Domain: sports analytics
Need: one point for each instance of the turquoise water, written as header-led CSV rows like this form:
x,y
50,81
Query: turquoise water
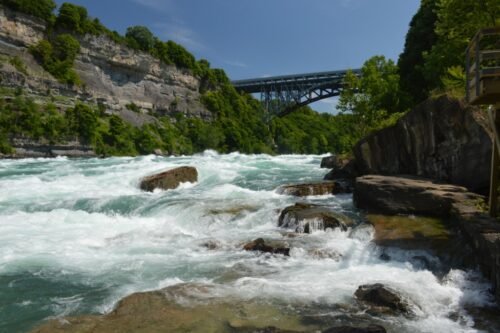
x,y
78,235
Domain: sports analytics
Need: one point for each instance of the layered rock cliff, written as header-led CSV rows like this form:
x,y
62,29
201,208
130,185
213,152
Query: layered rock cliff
x,y
113,75
442,139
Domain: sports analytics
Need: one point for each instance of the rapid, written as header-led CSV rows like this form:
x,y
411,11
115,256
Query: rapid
x,y
76,236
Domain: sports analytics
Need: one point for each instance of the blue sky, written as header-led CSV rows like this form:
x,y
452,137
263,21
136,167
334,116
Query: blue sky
x,y
269,37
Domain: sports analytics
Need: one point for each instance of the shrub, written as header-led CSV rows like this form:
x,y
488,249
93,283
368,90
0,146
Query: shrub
x,y
139,37
39,8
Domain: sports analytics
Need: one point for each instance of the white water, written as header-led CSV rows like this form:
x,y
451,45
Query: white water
x,y
83,235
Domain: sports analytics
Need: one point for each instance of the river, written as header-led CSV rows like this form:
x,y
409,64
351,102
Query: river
x,y
78,235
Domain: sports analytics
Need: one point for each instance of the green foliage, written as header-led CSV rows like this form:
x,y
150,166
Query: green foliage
x,y
133,107
82,121
40,8
58,57
72,18
372,97
419,40
457,22
140,38
19,65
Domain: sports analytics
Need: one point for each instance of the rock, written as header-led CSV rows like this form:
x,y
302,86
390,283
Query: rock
x,y
319,188
408,195
412,233
181,308
324,254
260,245
442,138
212,245
383,300
306,218
351,329
345,171
170,179
329,162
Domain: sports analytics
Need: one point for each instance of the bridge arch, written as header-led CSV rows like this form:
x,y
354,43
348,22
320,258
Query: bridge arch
x,y
282,95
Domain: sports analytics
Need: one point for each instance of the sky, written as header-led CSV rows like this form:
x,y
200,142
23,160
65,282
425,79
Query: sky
x,y
260,38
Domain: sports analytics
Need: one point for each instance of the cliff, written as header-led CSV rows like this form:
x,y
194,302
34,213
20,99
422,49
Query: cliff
x,y
442,139
113,75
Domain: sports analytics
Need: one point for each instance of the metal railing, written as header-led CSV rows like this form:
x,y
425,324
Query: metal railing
x,y
483,67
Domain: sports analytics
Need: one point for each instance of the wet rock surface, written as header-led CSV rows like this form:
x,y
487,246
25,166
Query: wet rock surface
x,y
382,300
351,329
260,245
408,195
305,218
318,188
170,179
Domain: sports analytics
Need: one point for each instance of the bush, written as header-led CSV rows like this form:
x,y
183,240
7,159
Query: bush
x,y
58,57
72,17
139,37
39,8
19,65
83,121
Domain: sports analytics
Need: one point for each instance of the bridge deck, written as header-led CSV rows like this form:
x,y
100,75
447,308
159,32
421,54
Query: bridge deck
x,y
256,85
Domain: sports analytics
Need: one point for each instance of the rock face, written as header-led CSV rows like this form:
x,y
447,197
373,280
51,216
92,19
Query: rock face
x,y
35,149
383,300
170,179
319,188
408,195
440,139
113,75
306,218
347,171
260,245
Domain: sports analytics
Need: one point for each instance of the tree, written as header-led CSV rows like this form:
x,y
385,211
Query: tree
x,y
420,39
72,18
39,8
373,96
457,22
83,121
141,38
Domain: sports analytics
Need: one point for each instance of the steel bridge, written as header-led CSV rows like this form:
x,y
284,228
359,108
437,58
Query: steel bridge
x,y
282,95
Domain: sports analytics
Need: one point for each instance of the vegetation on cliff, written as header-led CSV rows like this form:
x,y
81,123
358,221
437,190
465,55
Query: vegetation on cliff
x,y
432,61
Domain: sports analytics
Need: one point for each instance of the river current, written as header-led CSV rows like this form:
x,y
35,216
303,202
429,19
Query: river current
x,y
76,236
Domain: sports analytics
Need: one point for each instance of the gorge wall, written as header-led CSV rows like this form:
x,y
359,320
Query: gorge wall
x,y
113,75
442,139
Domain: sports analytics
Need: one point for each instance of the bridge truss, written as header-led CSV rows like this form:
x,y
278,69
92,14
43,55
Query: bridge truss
x,y
282,95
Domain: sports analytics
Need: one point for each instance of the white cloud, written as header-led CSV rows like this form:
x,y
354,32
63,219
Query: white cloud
x,y
236,64
161,5
178,32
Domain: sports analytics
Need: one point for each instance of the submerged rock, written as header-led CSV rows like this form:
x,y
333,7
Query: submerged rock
x,y
170,179
260,245
182,308
381,299
408,195
319,188
307,217
351,329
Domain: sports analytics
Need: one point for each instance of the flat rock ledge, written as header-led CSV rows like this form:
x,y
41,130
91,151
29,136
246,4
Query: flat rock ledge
x,y
306,218
170,179
411,195
317,188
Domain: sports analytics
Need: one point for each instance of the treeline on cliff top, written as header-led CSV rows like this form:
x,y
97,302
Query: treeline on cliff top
x,y
431,64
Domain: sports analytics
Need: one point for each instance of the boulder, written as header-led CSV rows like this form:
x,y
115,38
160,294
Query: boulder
x,y
347,170
442,138
306,218
351,329
170,179
408,195
318,188
260,245
329,162
383,300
